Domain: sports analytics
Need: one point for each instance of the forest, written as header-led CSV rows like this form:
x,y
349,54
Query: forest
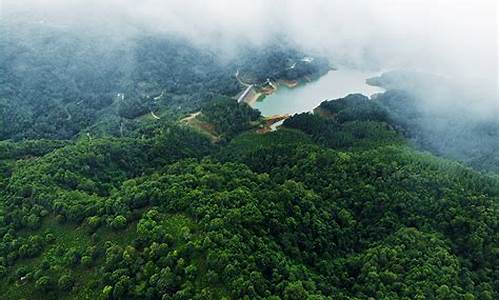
x,y
442,116
323,208
280,61
59,84
99,199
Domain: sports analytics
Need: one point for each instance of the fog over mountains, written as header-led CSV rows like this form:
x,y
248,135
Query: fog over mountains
x,y
137,160
446,37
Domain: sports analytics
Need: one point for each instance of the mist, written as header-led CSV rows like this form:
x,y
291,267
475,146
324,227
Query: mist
x,y
445,37
249,149
456,40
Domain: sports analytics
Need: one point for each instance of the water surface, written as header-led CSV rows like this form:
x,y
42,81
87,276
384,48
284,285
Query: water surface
x,y
333,85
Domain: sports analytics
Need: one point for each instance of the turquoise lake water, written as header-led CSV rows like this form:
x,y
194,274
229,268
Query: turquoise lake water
x,y
335,84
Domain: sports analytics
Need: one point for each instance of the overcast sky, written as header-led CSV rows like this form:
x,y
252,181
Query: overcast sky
x,y
444,36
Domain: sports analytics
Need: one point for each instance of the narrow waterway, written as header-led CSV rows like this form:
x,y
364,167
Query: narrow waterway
x,y
333,85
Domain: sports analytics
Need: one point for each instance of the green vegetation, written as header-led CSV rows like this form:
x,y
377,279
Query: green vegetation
x,y
280,61
351,123
443,117
54,84
336,208
229,117
59,83
101,200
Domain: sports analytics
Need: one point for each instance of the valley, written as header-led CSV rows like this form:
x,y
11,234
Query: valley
x,y
146,167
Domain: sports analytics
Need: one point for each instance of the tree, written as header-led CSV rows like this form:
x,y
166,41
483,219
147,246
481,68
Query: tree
x,y
107,291
86,261
65,282
119,222
295,291
43,284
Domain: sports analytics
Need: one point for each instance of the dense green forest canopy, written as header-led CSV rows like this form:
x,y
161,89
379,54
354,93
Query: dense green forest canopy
x,y
53,87
277,62
304,212
55,83
100,199
441,116
229,117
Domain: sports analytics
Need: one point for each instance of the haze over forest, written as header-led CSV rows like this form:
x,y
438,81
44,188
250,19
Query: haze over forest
x,y
451,38
444,36
135,162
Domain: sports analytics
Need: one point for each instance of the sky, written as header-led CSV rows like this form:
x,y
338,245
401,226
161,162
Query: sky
x,y
448,37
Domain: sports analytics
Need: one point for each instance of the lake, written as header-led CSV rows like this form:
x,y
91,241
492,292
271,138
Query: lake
x,y
306,97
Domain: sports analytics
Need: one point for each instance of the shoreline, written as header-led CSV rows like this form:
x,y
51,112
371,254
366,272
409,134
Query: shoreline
x,y
258,91
255,94
270,123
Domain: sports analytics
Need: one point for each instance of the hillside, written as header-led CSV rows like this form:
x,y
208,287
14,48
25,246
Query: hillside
x,y
57,84
130,170
324,208
448,118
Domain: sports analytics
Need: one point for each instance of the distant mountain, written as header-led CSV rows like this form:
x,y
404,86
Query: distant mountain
x,y
452,119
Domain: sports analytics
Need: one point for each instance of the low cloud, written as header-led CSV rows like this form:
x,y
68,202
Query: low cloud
x,y
448,37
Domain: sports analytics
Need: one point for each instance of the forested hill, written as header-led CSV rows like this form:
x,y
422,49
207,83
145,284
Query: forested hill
x,y
110,190
334,205
446,117
55,83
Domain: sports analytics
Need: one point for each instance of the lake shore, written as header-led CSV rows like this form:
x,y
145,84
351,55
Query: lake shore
x,y
308,93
